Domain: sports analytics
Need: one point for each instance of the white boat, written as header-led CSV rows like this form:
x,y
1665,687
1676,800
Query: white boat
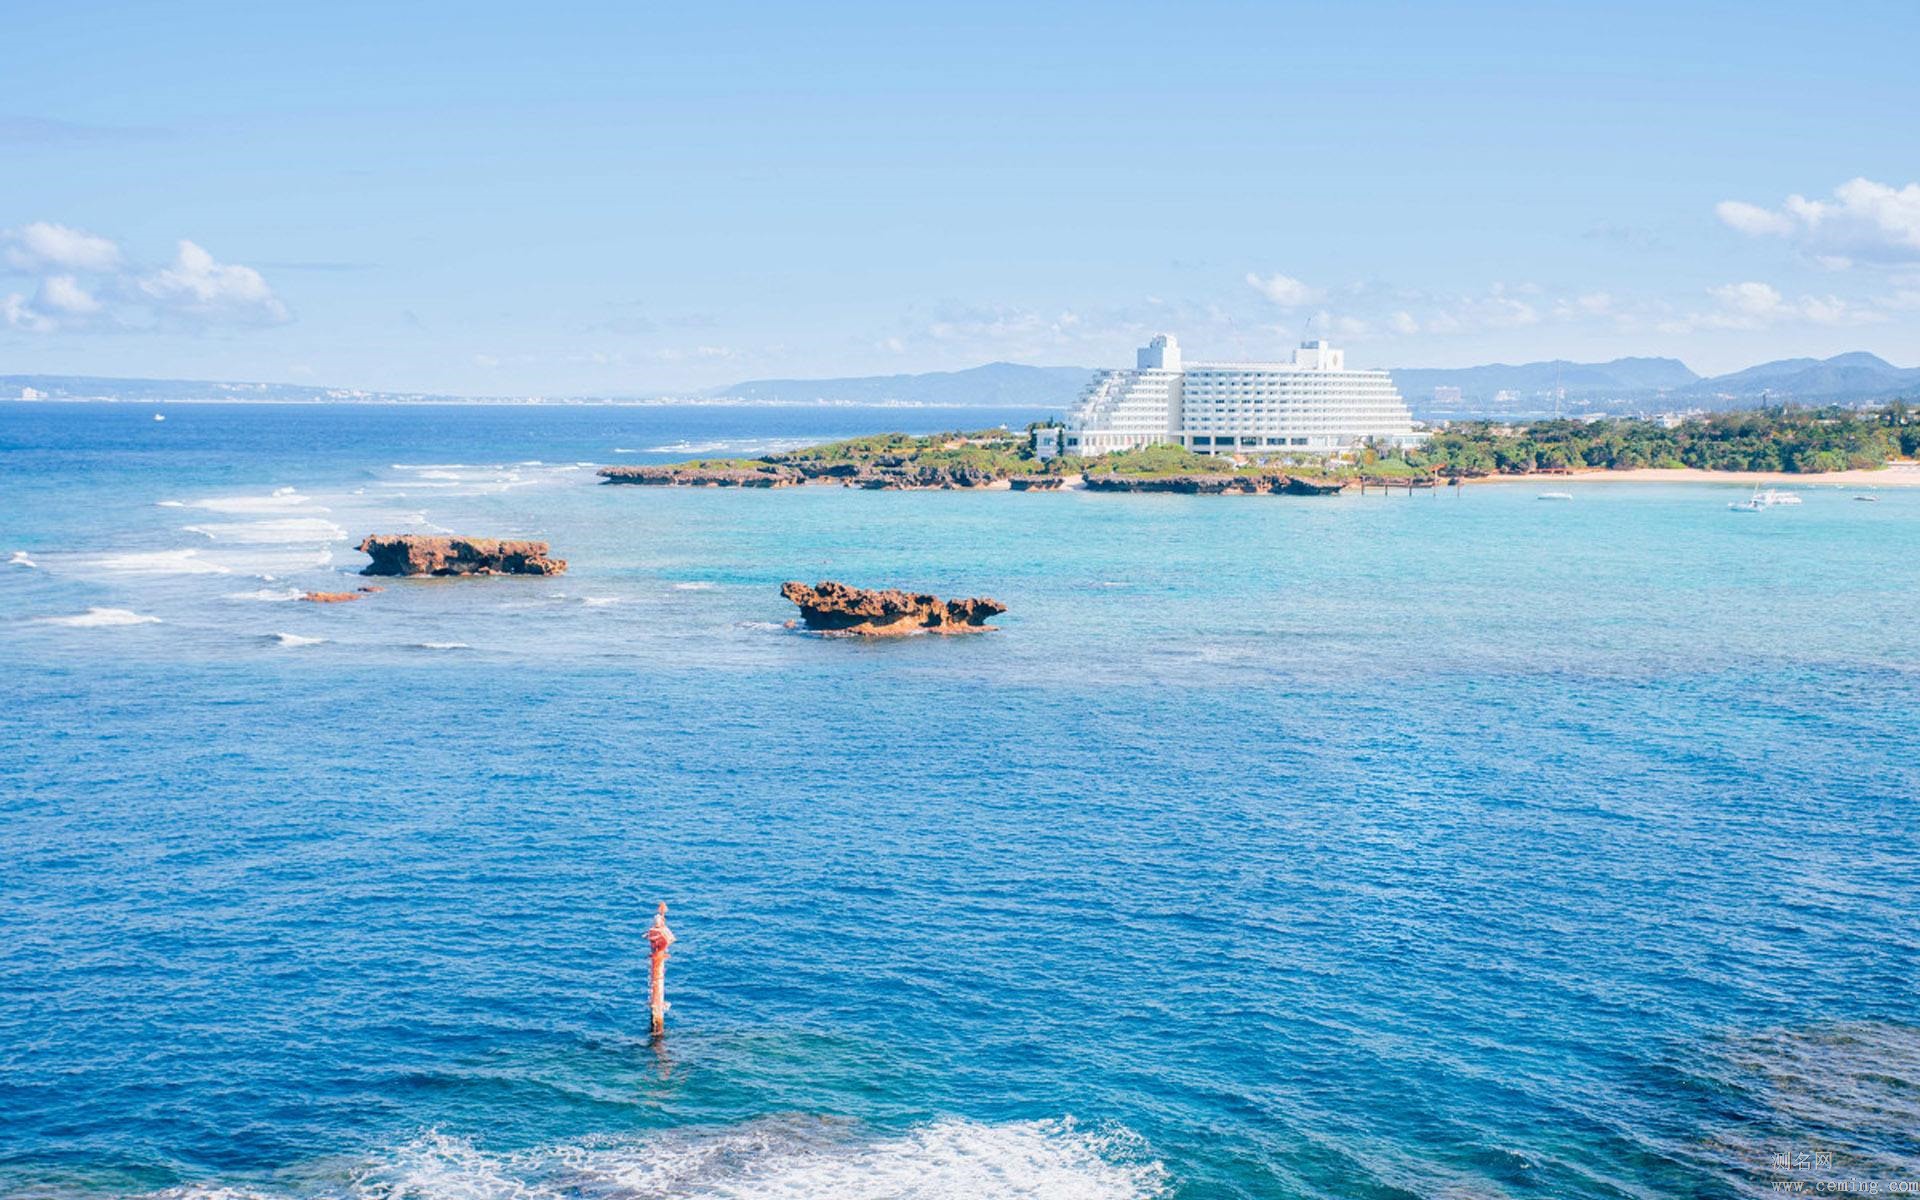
x,y
1555,496
158,417
1763,499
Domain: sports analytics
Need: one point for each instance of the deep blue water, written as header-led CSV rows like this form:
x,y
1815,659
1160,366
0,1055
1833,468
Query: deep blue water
x,y
1453,846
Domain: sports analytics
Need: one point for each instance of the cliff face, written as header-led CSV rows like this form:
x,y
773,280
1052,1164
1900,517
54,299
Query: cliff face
x,y
837,608
411,554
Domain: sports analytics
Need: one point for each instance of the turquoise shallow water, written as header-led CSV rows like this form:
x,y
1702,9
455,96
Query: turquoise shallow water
x,y
1445,846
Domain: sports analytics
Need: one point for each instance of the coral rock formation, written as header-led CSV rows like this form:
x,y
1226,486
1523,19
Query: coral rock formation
x,y
836,608
413,554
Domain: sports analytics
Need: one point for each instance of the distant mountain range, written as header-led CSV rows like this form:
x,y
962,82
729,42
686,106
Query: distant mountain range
x,y
1628,384
1498,389
1479,385
1844,378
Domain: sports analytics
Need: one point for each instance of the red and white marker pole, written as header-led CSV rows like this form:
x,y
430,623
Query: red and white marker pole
x,y
659,937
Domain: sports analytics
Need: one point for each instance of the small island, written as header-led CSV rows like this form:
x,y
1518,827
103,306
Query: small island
x,y
835,608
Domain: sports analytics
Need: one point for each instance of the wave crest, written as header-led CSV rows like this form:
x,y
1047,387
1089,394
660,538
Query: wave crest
x,y
98,618
792,1158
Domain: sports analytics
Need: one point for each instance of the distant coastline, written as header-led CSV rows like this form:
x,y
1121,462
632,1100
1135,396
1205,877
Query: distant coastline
x,y
489,402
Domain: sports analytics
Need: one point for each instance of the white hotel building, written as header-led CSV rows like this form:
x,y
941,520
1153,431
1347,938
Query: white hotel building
x,y
1312,405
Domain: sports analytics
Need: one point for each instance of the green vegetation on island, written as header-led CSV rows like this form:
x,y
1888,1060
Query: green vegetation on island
x,y
1794,440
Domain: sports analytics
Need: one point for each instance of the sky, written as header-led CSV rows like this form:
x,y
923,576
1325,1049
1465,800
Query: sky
x,y
636,199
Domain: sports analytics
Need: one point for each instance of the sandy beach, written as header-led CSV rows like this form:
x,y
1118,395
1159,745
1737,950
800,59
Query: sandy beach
x,y
1895,475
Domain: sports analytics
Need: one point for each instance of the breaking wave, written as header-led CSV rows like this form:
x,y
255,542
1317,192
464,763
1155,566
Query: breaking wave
x,y
287,529
20,559
294,639
739,446
95,618
445,646
271,595
281,500
783,1159
162,562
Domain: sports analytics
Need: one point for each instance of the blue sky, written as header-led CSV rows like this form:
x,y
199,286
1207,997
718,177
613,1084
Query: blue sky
x,y
635,199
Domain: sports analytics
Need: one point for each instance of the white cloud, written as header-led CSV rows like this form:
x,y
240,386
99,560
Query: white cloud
x,y
198,287
63,294
1865,220
1753,220
83,282
1403,322
1283,290
1751,299
1756,305
44,245
21,315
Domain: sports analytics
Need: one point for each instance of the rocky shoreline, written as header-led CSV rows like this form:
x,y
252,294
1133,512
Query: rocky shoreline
x,y
903,477
1222,484
888,477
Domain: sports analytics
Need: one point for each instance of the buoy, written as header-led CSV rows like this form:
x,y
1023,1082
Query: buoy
x,y
659,937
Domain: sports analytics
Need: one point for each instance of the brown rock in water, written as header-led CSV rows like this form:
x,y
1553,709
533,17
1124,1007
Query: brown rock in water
x,y
329,597
836,608
413,554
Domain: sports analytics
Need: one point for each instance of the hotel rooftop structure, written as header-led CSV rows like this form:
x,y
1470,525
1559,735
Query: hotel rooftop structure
x,y
1312,405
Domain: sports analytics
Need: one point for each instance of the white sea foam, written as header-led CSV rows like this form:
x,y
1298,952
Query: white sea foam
x,y
445,646
276,532
271,595
294,639
20,559
281,500
727,445
262,561
784,1159
161,562
99,618
599,601
695,586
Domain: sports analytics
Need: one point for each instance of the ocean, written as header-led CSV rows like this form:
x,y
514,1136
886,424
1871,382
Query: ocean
x,y
1456,846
